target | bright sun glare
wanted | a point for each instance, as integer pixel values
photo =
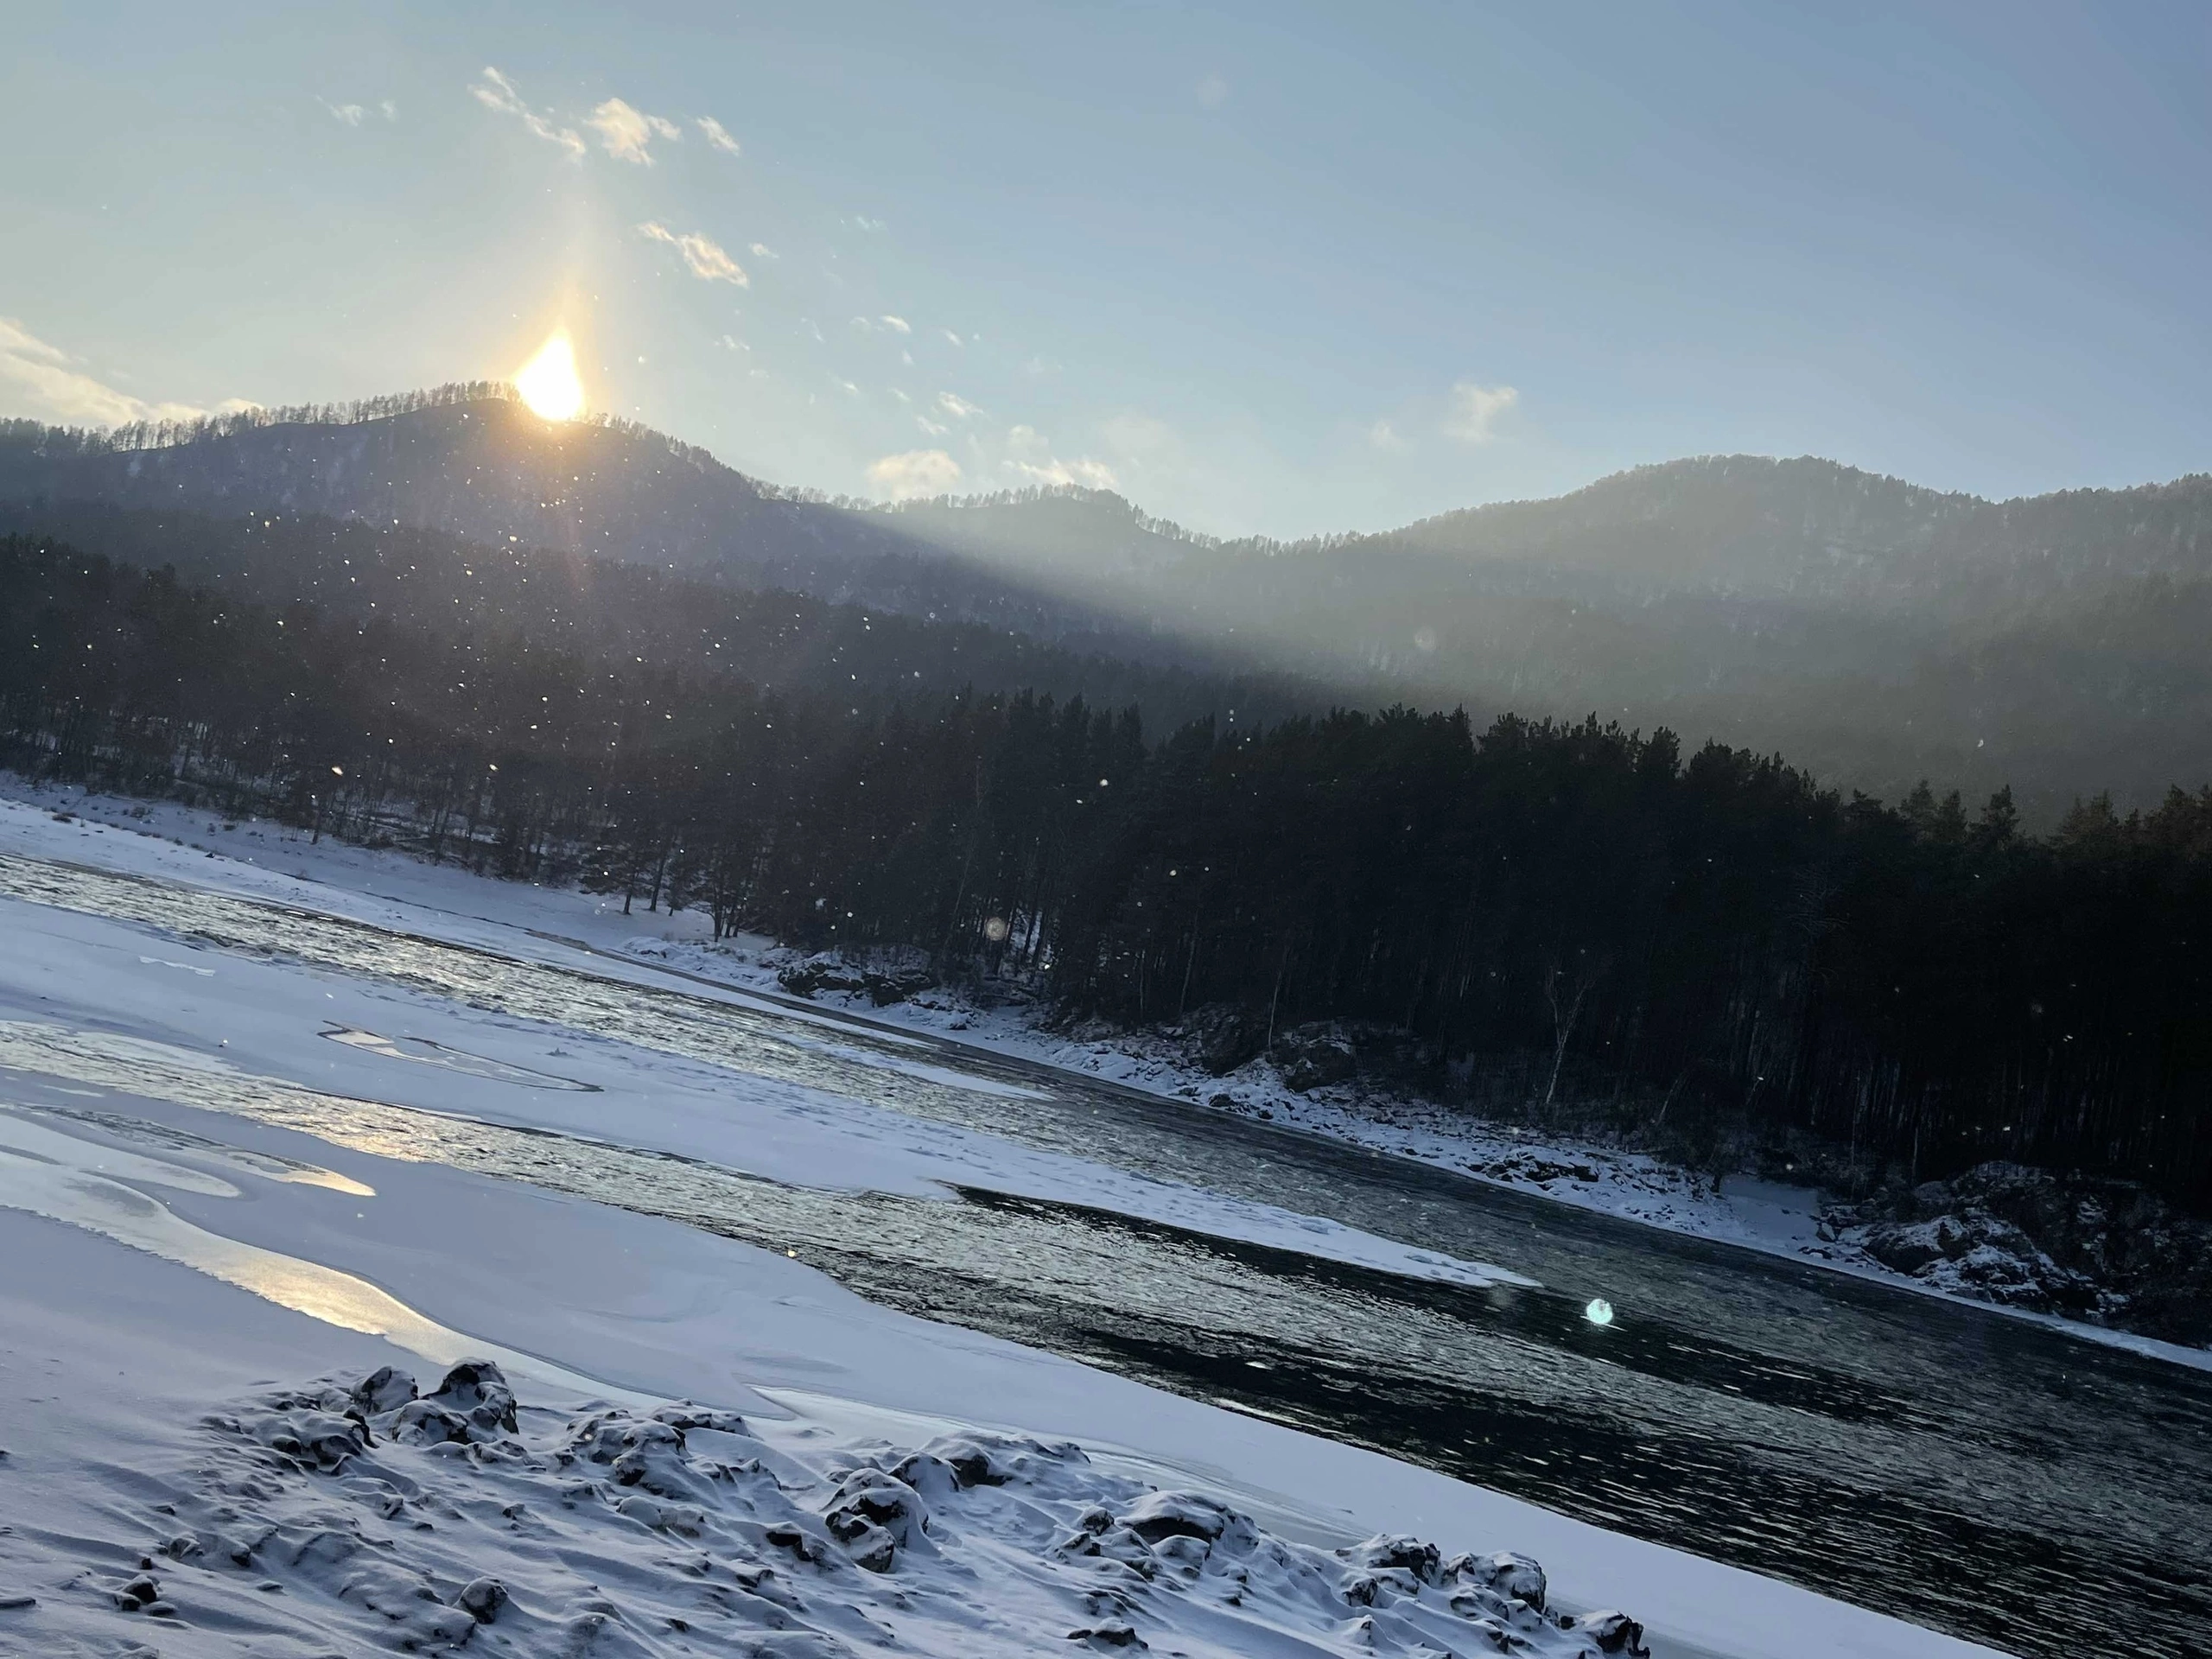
(549, 383)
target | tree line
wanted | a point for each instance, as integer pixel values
(1566, 912)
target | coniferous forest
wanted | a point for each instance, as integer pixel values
(1702, 937)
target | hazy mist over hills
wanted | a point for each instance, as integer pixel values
(1872, 630)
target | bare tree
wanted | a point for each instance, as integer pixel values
(1565, 990)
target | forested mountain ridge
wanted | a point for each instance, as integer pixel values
(478, 465)
(504, 598)
(1875, 630)
(1815, 529)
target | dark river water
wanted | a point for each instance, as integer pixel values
(1970, 1472)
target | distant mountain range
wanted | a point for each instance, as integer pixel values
(1869, 629)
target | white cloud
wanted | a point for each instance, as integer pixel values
(735, 343)
(950, 335)
(896, 325)
(626, 134)
(958, 408)
(1383, 436)
(708, 262)
(1213, 91)
(717, 135)
(929, 428)
(1475, 412)
(1031, 457)
(862, 222)
(762, 251)
(917, 472)
(390, 109)
(1059, 475)
(900, 396)
(48, 388)
(495, 91)
(350, 114)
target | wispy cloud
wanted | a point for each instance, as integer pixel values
(862, 222)
(495, 91)
(1474, 411)
(1213, 91)
(353, 114)
(48, 387)
(1030, 455)
(896, 325)
(717, 135)
(950, 335)
(735, 343)
(705, 256)
(917, 472)
(929, 428)
(762, 251)
(959, 408)
(1383, 436)
(627, 134)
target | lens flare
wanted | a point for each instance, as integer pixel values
(548, 382)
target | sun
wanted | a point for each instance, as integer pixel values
(548, 382)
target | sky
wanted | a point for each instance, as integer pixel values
(1265, 268)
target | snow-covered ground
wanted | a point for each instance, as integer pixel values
(460, 1516)
(204, 1224)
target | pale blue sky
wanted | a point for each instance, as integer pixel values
(1266, 267)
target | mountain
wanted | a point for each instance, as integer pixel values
(1875, 630)
(483, 468)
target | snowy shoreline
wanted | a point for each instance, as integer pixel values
(1769, 1217)
(282, 864)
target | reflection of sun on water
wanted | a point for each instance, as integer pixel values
(548, 382)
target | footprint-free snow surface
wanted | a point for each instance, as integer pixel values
(359, 1516)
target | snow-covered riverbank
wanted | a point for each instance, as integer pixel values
(204, 1206)
(391, 889)
(1775, 1216)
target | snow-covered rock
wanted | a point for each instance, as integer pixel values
(2028, 1238)
(318, 1518)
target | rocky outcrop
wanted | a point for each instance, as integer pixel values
(2100, 1249)
(882, 981)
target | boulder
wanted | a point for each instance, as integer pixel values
(1311, 1057)
(1223, 1037)
(477, 1390)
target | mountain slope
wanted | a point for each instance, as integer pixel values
(1874, 630)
